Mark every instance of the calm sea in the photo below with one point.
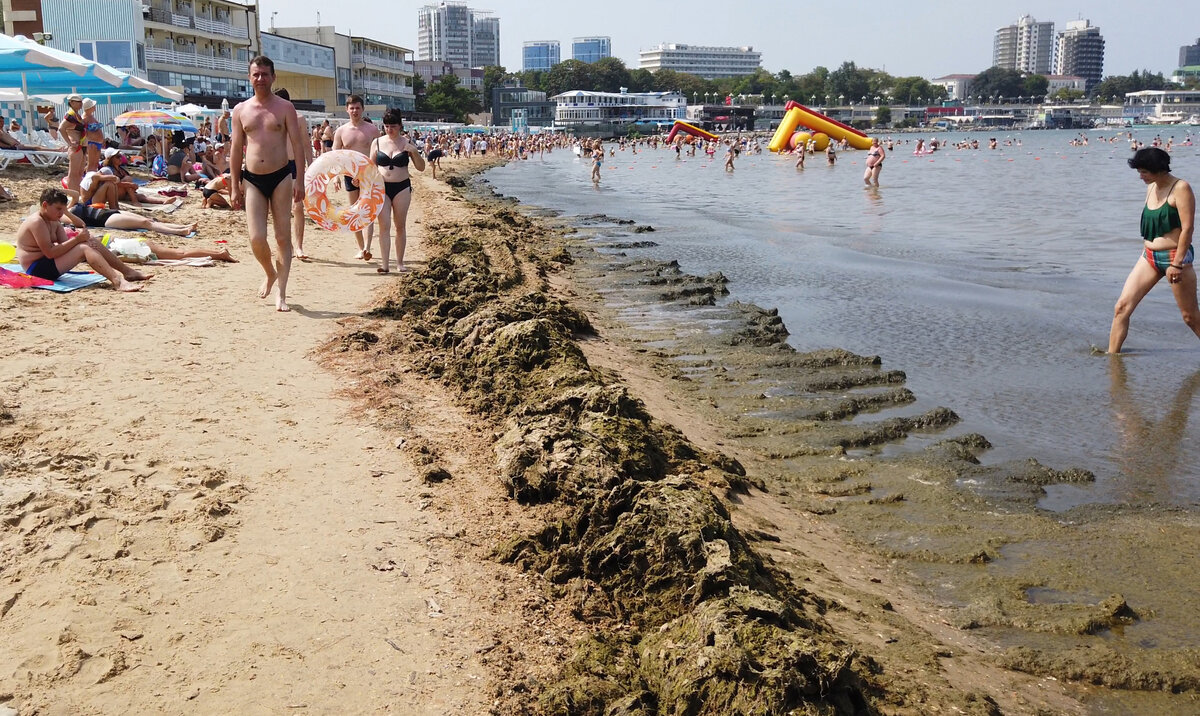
(986, 275)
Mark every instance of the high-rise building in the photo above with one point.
(1080, 52)
(707, 62)
(452, 32)
(591, 49)
(540, 55)
(1189, 55)
(1027, 46)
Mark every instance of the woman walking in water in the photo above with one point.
(597, 161)
(1168, 218)
(875, 159)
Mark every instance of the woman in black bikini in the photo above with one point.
(392, 153)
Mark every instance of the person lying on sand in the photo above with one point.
(45, 250)
(116, 219)
(214, 193)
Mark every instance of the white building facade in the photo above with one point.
(578, 108)
(1027, 46)
(703, 61)
(453, 32)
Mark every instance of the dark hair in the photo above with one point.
(263, 61)
(1152, 159)
(355, 99)
(393, 116)
(53, 196)
(283, 94)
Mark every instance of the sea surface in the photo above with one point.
(988, 276)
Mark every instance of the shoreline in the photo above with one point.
(471, 366)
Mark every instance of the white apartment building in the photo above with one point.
(707, 62)
(1027, 46)
(205, 46)
(453, 32)
(958, 87)
(576, 108)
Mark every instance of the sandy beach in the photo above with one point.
(449, 491)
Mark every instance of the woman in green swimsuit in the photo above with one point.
(1167, 222)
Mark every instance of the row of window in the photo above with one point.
(204, 84)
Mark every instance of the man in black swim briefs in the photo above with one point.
(357, 135)
(264, 127)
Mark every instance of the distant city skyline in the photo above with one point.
(928, 38)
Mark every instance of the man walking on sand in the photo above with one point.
(263, 128)
(357, 134)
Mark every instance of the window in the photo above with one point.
(115, 53)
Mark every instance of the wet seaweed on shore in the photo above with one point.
(703, 624)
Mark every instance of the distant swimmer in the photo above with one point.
(830, 154)
(1168, 218)
(875, 157)
(730, 155)
(597, 161)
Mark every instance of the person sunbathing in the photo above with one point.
(45, 250)
(112, 184)
(214, 193)
(99, 217)
(8, 141)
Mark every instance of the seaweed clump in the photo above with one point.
(687, 618)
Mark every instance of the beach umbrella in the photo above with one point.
(149, 117)
(42, 70)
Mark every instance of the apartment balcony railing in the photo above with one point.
(193, 59)
(215, 27)
(382, 63)
(389, 87)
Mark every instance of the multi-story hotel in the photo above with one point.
(1027, 46)
(591, 49)
(205, 46)
(452, 32)
(1080, 52)
(305, 69)
(706, 62)
(381, 73)
(540, 55)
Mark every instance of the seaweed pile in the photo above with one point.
(684, 616)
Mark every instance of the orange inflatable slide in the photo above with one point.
(681, 126)
(798, 115)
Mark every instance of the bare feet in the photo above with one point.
(127, 287)
(268, 283)
(281, 306)
(366, 256)
(138, 276)
(225, 256)
(382, 270)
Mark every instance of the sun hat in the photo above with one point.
(88, 103)
(110, 153)
(74, 98)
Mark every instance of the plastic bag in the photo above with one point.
(130, 249)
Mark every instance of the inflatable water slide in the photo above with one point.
(797, 115)
(681, 126)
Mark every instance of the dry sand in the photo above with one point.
(193, 519)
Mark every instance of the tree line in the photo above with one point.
(848, 84)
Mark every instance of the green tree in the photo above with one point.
(1036, 86)
(1118, 85)
(883, 116)
(1066, 94)
(641, 80)
(910, 90)
(493, 76)
(446, 96)
(850, 82)
(567, 76)
(609, 74)
(998, 82)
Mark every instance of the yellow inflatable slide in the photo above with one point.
(798, 115)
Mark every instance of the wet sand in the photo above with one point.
(482, 486)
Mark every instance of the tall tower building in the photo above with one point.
(591, 49)
(540, 55)
(1189, 55)
(1080, 52)
(452, 32)
(1027, 46)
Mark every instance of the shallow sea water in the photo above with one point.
(986, 275)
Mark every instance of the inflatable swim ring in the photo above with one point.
(336, 163)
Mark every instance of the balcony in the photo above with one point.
(392, 88)
(194, 59)
(201, 24)
(381, 63)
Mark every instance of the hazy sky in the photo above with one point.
(929, 38)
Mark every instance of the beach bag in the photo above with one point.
(159, 167)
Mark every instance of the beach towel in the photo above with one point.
(199, 261)
(70, 281)
(18, 279)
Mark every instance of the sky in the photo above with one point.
(927, 38)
